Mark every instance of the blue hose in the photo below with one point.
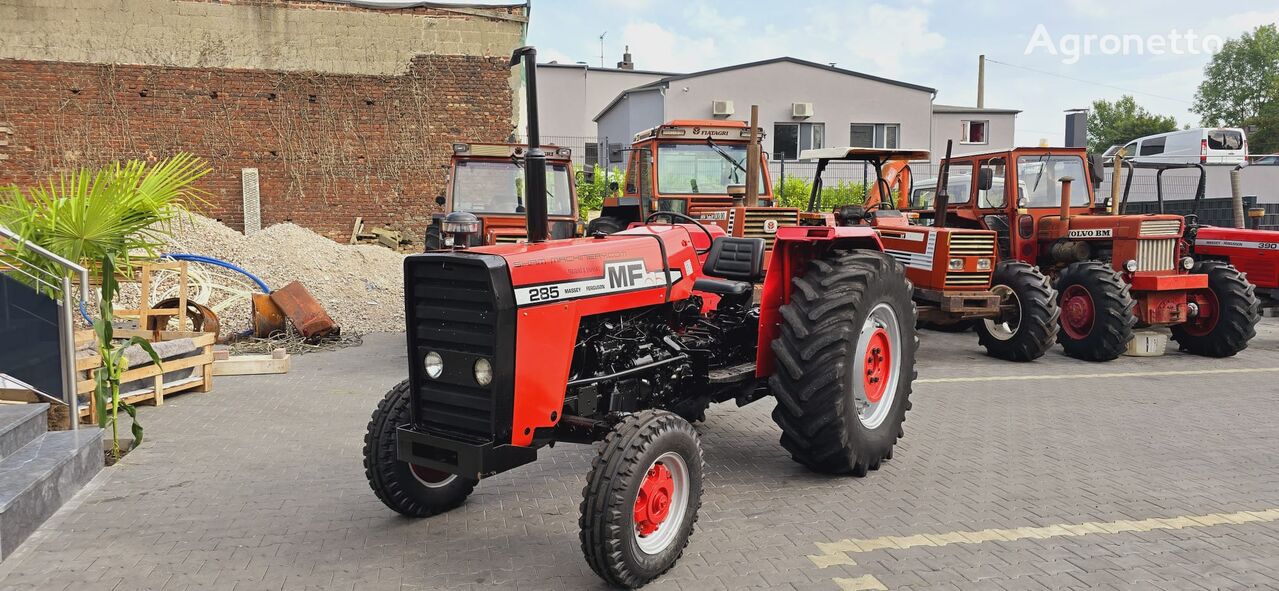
(198, 258)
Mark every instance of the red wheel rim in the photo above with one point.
(879, 364)
(1209, 311)
(1077, 312)
(653, 503)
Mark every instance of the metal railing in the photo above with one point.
(59, 284)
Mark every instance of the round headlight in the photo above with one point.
(1187, 263)
(434, 364)
(1131, 266)
(483, 372)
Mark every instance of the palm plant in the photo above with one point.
(104, 219)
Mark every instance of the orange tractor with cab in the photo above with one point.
(957, 277)
(1112, 272)
(488, 181)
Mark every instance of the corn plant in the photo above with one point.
(103, 219)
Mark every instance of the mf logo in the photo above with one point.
(624, 275)
(770, 226)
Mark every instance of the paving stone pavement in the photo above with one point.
(258, 485)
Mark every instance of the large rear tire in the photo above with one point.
(1230, 318)
(845, 362)
(641, 499)
(1096, 311)
(1030, 331)
(414, 491)
(605, 225)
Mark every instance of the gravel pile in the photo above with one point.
(360, 286)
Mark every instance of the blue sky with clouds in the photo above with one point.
(933, 43)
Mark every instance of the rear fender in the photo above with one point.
(795, 246)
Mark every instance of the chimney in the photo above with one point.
(626, 63)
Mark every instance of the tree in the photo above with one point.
(1240, 79)
(1123, 121)
(1264, 137)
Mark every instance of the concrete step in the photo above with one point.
(20, 424)
(38, 478)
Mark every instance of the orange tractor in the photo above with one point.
(699, 168)
(487, 180)
(958, 280)
(1112, 272)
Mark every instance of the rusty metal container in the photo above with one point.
(268, 319)
(307, 315)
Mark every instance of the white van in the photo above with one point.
(1203, 145)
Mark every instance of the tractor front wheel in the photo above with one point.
(414, 491)
(1096, 311)
(641, 498)
(1027, 325)
(605, 225)
(1228, 313)
(845, 362)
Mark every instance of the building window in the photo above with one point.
(874, 135)
(975, 132)
(789, 139)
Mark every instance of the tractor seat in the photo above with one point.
(732, 267)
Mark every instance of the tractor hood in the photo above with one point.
(1114, 227)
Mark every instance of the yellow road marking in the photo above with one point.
(837, 552)
(862, 583)
(1073, 376)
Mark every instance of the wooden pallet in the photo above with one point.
(201, 381)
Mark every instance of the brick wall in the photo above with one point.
(330, 143)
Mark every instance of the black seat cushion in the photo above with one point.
(740, 259)
(723, 287)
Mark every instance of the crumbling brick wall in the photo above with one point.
(329, 145)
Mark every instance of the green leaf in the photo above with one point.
(146, 346)
(101, 392)
(136, 427)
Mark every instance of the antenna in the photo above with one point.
(602, 48)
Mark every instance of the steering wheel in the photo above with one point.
(673, 215)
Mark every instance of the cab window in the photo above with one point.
(992, 198)
(1039, 179)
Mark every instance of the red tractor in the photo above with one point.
(1112, 272)
(697, 167)
(488, 180)
(620, 340)
(958, 280)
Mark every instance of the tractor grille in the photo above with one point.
(1157, 255)
(511, 238)
(755, 220)
(1160, 228)
(972, 245)
(460, 307)
(697, 201)
(963, 279)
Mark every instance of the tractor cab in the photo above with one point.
(699, 168)
(487, 180)
(1113, 271)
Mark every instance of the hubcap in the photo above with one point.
(1077, 312)
(1005, 326)
(660, 503)
(877, 365)
(430, 477)
(1209, 309)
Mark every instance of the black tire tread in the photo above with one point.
(1040, 314)
(606, 505)
(816, 327)
(1113, 317)
(1239, 310)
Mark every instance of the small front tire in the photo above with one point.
(1031, 330)
(1096, 311)
(641, 498)
(413, 491)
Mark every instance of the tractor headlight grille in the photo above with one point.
(972, 245)
(763, 223)
(1157, 255)
(461, 328)
(1152, 228)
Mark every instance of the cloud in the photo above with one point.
(658, 48)
(884, 37)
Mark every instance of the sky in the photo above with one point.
(1043, 57)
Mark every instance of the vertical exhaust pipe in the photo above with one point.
(941, 195)
(534, 157)
(1065, 204)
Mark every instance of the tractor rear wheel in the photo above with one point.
(641, 498)
(1096, 311)
(605, 225)
(414, 491)
(1029, 330)
(1228, 313)
(845, 362)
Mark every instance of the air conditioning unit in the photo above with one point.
(721, 108)
(801, 110)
